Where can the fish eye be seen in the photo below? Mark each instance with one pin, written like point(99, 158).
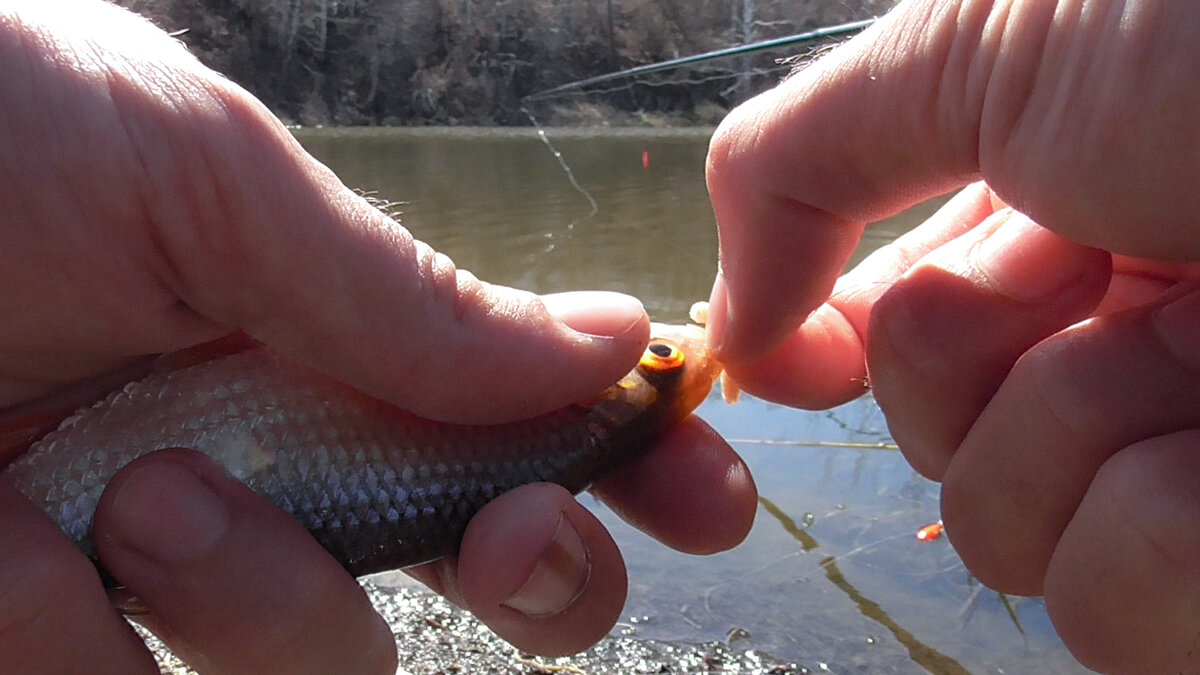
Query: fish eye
point(662, 356)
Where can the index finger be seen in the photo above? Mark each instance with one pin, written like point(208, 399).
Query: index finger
point(204, 215)
point(796, 173)
point(934, 94)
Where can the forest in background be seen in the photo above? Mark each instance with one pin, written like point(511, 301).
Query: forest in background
point(472, 62)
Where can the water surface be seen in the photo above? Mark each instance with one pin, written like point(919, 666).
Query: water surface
point(832, 575)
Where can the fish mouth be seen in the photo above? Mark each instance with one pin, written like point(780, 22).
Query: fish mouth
point(688, 337)
point(702, 368)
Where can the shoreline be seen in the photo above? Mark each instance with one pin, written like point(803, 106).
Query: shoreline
point(434, 637)
point(478, 131)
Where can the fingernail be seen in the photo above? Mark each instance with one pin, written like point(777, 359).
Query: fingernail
point(167, 513)
point(718, 315)
point(559, 577)
point(596, 313)
point(1024, 260)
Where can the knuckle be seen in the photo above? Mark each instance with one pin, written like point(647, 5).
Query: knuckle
point(908, 333)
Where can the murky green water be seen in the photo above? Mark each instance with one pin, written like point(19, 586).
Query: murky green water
point(832, 575)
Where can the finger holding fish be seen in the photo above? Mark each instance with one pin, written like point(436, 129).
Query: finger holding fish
point(564, 585)
point(53, 613)
point(419, 502)
point(174, 524)
point(690, 491)
point(192, 213)
point(823, 362)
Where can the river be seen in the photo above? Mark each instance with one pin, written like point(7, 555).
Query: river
point(832, 576)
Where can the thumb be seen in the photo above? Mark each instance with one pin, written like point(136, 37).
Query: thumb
point(199, 213)
point(284, 251)
point(354, 294)
point(795, 173)
point(936, 94)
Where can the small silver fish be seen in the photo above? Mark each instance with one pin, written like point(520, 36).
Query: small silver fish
point(378, 487)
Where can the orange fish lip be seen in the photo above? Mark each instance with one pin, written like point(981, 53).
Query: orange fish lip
point(702, 369)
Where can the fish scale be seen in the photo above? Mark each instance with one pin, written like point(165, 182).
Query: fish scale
point(378, 487)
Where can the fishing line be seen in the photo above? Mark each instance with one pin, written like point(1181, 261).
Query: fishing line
point(568, 230)
point(596, 92)
point(580, 88)
point(744, 81)
point(562, 162)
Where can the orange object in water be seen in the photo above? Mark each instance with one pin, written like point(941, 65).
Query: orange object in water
point(645, 159)
point(930, 532)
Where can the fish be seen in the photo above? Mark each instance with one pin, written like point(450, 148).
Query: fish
point(378, 487)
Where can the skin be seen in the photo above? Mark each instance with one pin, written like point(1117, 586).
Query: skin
point(150, 205)
point(1045, 366)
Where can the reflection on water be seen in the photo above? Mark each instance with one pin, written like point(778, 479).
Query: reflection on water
point(921, 653)
point(832, 574)
point(502, 207)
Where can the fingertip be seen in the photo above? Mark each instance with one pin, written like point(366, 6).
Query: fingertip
point(692, 491)
point(541, 571)
point(778, 266)
point(54, 614)
point(558, 578)
point(779, 254)
point(602, 314)
point(213, 562)
point(819, 366)
point(717, 318)
point(972, 528)
point(513, 355)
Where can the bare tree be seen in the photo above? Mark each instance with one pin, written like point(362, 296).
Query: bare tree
point(467, 61)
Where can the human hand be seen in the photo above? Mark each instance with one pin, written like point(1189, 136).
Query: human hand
point(150, 205)
point(1067, 450)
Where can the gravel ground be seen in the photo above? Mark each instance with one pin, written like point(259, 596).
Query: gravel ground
point(434, 637)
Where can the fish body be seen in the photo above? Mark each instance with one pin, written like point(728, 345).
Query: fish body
point(380, 488)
